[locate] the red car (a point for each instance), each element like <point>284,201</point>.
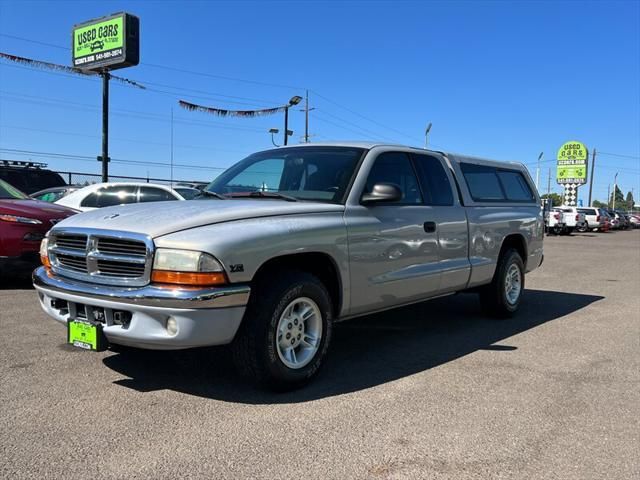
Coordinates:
<point>23,224</point>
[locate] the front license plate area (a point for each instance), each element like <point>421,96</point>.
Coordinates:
<point>86,335</point>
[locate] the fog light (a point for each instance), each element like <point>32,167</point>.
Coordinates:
<point>172,326</point>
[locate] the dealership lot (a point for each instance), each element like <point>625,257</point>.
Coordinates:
<point>429,391</point>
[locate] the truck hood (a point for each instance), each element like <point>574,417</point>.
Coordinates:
<point>161,218</point>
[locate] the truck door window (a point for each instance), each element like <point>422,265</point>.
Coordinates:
<point>434,180</point>
<point>395,168</point>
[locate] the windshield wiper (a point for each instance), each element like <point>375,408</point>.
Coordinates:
<point>261,194</point>
<point>212,194</point>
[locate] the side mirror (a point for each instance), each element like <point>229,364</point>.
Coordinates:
<point>383,192</point>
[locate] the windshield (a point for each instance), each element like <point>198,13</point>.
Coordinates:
<point>304,173</point>
<point>8,192</point>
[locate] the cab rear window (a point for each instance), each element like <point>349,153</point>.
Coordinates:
<point>491,184</point>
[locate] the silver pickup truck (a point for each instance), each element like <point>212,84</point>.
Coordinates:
<point>287,242</point>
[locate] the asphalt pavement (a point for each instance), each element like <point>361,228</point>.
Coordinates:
<point>432,391</point>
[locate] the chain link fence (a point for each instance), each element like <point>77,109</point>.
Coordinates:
<point>83,179</point>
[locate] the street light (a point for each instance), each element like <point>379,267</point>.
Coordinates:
<point>273,131</point>
<point>538,171</point>
<point>295,100</point>
<point>426,135</point>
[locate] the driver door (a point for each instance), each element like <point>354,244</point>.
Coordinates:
<point>393,246</point>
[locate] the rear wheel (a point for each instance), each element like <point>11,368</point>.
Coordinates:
<point>285,332</point>
<point>501,298</point>
<point>583,228</point>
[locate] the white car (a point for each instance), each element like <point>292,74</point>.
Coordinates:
<point>109,194</point>
<point>593,219</point>
<point>572,218</point>
<point>554,222</point>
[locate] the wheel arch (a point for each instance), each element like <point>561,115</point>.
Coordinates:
<point>320,264</point>
<point>517,242</point>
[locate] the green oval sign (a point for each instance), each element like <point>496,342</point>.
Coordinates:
<point>572,163</point>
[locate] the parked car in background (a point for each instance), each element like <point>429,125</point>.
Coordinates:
<point>286,243</point>
<point>634,220</point>
<point>187,193</point>
<point>55,193</point>
<point>23,224</point>
<point>592,217</point>
<point>197,185</point>
<point>101,195</point>
<point>606,218</point>
<point>573,220</point>
<point>622,219</point>
<point>554,222</point>
<point>29,177</point>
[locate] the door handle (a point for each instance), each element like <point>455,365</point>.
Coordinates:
<point>429,227</point>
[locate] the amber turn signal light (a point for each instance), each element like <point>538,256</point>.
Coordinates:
<point>197,279</point>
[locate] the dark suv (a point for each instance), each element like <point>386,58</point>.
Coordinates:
<point>29,177</point>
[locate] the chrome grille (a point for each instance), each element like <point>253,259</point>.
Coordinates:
<point>73,262</point>
<point>120,269</point>
<point>121,247</point>
<point>75,242</point>
<point>102,256</point>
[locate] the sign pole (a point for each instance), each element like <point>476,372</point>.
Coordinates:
<point>593,171</point>
<point>105,126</point>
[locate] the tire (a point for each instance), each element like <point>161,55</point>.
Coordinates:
<point>493,297</point>
<point>583,228</point>
<point>274,307</point>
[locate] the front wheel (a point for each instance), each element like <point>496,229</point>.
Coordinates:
<point>583,228</point>
<point>501,298</point>
<point>285,332</point>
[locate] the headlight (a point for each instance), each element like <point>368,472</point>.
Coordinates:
<point>186,267</point>
<point>17,219</point>
<point>44,253</point>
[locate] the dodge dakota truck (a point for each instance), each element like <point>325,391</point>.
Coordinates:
<point>285,243</point>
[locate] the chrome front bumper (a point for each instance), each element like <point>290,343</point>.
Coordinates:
<point>204,316</point>
<point>150,295</point>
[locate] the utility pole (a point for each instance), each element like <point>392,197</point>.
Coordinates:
<point>538,171</point>
<point>426,135</point>
<point>286,124</point>
<point>609,196</point>
<point>615,189</point>
<point>593,171</point>
<point>306,117</point>
<point>549,184</point>
<point>105,126</point>
<point>171,147</point>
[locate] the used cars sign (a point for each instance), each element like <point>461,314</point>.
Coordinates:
<point>106,43</point>
<point>572,163</point>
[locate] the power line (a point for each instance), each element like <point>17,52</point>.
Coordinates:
<point>364,117</point>
<point>37,42</point>
<point>619,155</point>
<point>124,112</point>
<point>115,160</point>
<point>208,95</point>
<point>132,140</point>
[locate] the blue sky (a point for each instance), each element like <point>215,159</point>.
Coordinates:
<point>505,80</point>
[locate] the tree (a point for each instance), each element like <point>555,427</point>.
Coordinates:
<point>630,201</point>
<point>598,204</point>
<point>619,197</point>
<point>555,198</point>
